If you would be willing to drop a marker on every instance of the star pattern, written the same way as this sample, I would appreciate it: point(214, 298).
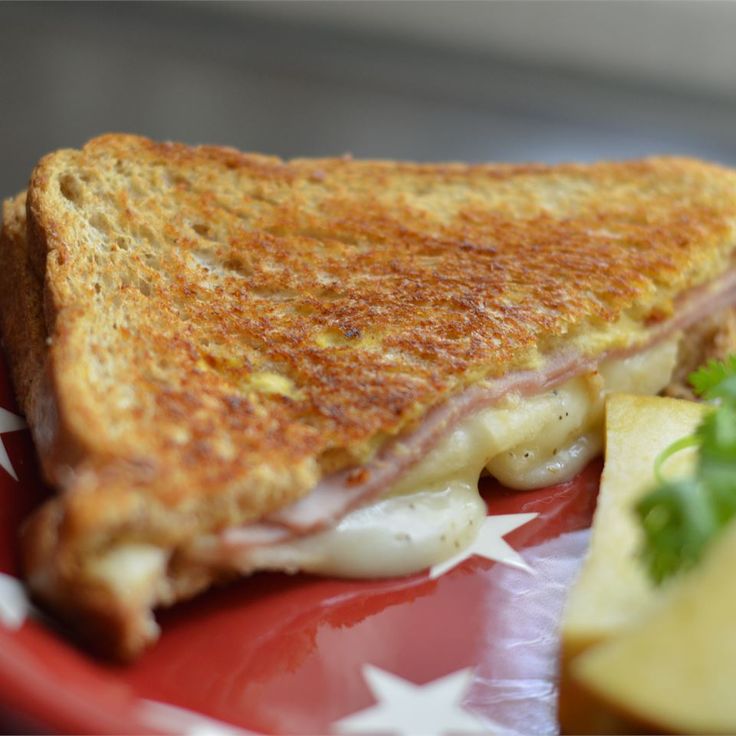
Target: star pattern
point(405, 708)
point(401, 707)
point(490, 544)
point(15, 607)
point(9, 422)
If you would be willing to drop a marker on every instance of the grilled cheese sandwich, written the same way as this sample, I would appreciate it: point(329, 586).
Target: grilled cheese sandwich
point(234, 363)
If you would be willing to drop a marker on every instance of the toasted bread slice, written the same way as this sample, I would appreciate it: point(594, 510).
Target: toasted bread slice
point(221, 332)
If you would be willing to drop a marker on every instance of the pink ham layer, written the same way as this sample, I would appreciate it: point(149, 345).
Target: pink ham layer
point(338, 494)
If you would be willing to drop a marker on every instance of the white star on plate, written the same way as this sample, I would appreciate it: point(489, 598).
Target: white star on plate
point(14, 604)
point(9, 422)
point(490, 544)
point(172, 719)
point(405, 708)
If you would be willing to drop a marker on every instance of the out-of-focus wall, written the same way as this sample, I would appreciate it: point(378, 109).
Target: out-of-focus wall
point(685, 45)
point(446, 80)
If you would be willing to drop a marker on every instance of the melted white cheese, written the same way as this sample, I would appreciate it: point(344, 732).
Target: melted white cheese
point(393, 536)
point(132, 569)
point(436, 509)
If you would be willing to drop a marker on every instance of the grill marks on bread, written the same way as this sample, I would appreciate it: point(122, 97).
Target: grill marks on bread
point(371, 288)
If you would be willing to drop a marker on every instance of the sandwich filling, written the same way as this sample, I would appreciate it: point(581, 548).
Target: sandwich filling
point(435, 509)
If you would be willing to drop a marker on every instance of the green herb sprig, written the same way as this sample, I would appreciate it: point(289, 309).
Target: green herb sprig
point(681, 517)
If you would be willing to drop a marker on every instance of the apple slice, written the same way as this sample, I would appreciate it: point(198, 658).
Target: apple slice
point(675, 669)
point(613, 588)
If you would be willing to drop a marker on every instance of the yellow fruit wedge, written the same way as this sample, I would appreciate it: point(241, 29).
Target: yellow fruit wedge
point(613, 589)
point(675, 669)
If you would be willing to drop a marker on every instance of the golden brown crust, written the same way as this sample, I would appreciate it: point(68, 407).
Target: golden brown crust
point(226, 328)
point(21, 311)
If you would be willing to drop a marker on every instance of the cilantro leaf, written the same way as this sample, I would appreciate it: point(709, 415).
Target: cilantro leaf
point(708, 379)
point(680, 518)
point(677, 520)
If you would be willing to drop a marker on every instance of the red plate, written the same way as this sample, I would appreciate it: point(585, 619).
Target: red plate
point(473, 649)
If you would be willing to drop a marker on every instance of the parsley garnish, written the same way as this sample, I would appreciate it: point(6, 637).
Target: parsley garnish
point(681, 517)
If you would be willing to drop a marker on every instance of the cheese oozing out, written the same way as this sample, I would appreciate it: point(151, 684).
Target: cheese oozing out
point(435, 509)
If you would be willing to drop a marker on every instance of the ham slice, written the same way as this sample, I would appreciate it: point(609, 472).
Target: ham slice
point(345, 490)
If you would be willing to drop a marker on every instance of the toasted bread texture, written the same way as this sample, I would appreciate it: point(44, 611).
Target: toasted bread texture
point(21, 305)
point(210, 333)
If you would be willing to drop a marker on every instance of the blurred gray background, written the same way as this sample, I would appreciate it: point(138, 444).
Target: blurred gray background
point(444, 80)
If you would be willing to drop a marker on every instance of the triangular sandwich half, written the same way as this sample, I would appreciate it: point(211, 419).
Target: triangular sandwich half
point(232, 362)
